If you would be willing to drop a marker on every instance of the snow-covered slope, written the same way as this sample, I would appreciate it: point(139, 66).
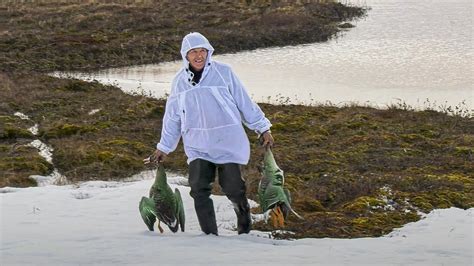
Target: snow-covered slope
point(98, 223)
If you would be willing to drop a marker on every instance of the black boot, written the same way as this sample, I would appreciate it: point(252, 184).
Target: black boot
point(233, 185)
point(244, 221)
point(201, 176)
point(206, 215)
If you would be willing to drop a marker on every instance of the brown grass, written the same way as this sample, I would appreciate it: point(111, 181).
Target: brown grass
point(65, 35)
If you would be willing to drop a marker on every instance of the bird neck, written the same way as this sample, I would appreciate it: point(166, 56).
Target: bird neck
point(160, 180)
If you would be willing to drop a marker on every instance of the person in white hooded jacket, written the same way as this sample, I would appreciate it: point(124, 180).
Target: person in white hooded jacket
point(206, 108)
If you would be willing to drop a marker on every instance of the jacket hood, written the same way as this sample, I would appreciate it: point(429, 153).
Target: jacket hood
point(195, 40)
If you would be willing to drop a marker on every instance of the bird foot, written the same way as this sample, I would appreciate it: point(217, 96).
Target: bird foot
point(276, 215)
point(160, 228)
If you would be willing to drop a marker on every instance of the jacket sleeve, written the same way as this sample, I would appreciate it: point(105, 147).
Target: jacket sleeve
point(171, 129)
point(251, 114)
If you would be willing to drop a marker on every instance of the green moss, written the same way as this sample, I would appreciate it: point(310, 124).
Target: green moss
point(389, 138)
point(429, 133)
point(379, 224)
point(79, 86)
point(7, 119)
point(462, 178)
point(362, 205)
point(4, 148)
point(448, 199)
point(278, 127)
point(422, 203)
point(361, 121)
point(309, 205)
point(12, 132)
point(105, 156)
point(119, 142)
point(17, 163)
point(442, 199)
point(17, 181)
point(322, 165)
point(35, 164)
point(103, 124)
point(65, 130)
point(291, 126)
point(361, 221)
point(412, 138)
point(138, 146)
point(157, 111)
point(464, 151)
point(346, 25)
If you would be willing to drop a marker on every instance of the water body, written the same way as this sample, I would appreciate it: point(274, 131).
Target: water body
point(418, 52)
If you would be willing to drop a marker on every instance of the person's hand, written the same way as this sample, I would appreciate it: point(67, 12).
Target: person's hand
point(156, 157)
point(266, 139)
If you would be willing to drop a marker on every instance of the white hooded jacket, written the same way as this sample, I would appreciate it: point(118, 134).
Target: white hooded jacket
point(209, 115)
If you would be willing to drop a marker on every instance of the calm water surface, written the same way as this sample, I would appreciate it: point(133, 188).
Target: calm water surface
point(403, 51)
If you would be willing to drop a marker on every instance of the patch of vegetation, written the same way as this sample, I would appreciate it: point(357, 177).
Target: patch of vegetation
point(366, 171)
point(109, 144)
point(18, 162)
point(70, 35)
point(12, 128)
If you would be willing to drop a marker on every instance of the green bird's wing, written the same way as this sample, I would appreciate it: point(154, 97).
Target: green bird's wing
point(271, 196)
point(262, 187)
point(147, 211)
point(179, 209)
point(278, 178)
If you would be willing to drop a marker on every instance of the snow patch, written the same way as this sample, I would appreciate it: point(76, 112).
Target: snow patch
point(9, 189)
point(387, 198)
point(100, 185)
point(99, 223)
point(173, 178)
point(44, 150)
point(144, 175)
point(55, 178)
point(81, 195)
point(178, 180)
point(94, 111)
point(34, 129)
point(21, 115)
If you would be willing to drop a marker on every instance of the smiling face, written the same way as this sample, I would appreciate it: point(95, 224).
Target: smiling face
point(197, 58)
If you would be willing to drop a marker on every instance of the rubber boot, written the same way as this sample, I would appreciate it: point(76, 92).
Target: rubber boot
point(233, 185)
point(244, 221)
point(206, 215)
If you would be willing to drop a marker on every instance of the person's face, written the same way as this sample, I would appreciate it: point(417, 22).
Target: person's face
point(197, 58)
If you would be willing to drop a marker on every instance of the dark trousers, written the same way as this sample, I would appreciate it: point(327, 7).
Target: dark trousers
point(202, 174)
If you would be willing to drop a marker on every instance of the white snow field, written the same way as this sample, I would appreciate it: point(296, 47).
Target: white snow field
point(98, 223)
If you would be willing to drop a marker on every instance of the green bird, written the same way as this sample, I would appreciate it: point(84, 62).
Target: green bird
point(162, 204)
point(275, 200)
